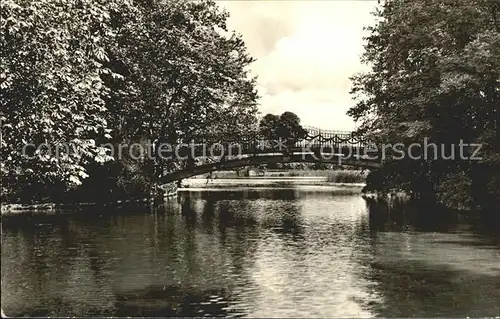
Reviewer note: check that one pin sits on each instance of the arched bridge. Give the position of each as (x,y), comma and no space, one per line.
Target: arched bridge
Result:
(210,153)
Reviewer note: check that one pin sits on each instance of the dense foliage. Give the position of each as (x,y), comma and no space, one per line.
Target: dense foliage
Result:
(81,73)
(435,74)
(286,127)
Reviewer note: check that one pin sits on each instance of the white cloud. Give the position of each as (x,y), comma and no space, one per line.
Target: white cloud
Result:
(306,52)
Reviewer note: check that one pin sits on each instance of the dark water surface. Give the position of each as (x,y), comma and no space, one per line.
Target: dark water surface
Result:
(303,252)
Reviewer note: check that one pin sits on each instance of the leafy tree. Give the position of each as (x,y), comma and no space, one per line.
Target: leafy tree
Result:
(269,126)
(435,69)
(187,74)
(185,77)
(52,58)
(286,126)
(86,72)
(290,127)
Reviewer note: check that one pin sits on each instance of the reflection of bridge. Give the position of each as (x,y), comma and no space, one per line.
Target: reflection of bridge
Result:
(223,152)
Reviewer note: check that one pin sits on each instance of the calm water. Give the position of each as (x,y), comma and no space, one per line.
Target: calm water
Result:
(302,252)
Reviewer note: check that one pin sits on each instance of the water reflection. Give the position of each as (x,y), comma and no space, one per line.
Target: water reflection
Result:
(429,261)
(296,252)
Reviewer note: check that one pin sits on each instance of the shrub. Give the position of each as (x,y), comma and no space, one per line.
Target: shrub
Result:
(347,176)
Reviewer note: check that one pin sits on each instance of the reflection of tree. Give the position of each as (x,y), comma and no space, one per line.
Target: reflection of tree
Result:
(247,194)
(229,254)
(161,266)
(188,212)
(416,288)
(226,217)
(208,215)
(237,237)
(406,269)
(223,242)
(289,221)
(60,266)
(398,214)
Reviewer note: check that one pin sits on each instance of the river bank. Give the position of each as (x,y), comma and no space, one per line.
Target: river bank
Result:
(62,208)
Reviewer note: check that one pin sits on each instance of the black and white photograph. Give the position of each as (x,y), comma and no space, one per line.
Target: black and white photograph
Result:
(250,158)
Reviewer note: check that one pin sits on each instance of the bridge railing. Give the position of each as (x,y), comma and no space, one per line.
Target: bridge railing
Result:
(256,143)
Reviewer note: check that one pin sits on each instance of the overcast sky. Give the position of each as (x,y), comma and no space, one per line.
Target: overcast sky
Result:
(306,51)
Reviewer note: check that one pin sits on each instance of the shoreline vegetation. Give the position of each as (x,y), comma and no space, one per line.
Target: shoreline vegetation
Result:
(438,81)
